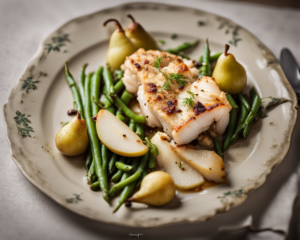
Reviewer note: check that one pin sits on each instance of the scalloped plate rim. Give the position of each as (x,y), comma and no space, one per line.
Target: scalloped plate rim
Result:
(223,209)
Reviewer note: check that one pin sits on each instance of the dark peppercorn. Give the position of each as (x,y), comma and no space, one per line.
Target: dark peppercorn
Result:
(127,204)
(198,64)
(137,65)
(72,112)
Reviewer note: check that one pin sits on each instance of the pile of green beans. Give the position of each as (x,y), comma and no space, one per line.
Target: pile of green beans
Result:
(182,48)
(232,121)
(101,164)
(245,119)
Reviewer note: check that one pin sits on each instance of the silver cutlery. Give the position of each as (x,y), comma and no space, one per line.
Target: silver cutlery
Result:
(291,69)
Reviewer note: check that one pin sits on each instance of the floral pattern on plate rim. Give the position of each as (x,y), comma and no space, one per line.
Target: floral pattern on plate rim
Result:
(23,124)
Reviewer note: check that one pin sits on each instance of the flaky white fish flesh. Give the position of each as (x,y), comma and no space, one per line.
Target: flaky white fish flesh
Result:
(166,108)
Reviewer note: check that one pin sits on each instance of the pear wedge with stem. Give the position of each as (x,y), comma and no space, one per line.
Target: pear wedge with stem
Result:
(72,139)
(120,46)
(139,36)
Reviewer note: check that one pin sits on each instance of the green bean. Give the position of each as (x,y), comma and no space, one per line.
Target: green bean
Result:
(119,114)
(74,89)
(125,194)
(104,155)
(132,125)
(140,131)
(116,177)
(81,83)
(88,159)
(134,163)
(181,54)
(119,186)
(108,104)
(256,101)
(94,140)
(127,191)
(95,90)
(152,161)
(91,172)
(106,101)
(138,184)
(95,186)
(232,102)
(112,161)
(94,178)
(119,86)
(241,119)
(122,166)
(118,74)
(247,130)
(108,80)
(183,47)
(205,69)
(143,163)
(108,83)
(244,102)
(126,97)
(212,57)
(218,147)
(128,112)
(231,125)
(111,109)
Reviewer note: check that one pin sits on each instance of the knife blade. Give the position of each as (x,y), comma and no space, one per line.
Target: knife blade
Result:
(291,69)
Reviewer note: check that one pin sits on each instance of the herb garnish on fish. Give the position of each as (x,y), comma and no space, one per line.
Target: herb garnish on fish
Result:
(179,78)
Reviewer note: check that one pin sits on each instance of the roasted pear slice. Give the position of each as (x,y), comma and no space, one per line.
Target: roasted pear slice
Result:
(184,175)
(208,163)
(117,136)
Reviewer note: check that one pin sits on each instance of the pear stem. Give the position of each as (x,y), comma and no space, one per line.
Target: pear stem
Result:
(131,17)
(118,25)
(78,115)
(226,50)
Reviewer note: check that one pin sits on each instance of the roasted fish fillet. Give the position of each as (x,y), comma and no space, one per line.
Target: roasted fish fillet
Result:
(167,108)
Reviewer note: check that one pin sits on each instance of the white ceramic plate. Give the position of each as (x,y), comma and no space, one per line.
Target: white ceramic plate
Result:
(39,101)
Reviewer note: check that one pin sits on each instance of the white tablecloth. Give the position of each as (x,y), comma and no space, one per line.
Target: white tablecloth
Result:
(26,213)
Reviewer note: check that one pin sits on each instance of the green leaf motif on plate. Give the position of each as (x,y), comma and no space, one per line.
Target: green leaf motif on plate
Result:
(75,199)
(233,29)
(233,194)
(57,42)
(23,124)
(29,84)
(201,23)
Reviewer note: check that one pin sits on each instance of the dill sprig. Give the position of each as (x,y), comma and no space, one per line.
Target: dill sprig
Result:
(272,104)
(170,77)
(275,102)
(188,101)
